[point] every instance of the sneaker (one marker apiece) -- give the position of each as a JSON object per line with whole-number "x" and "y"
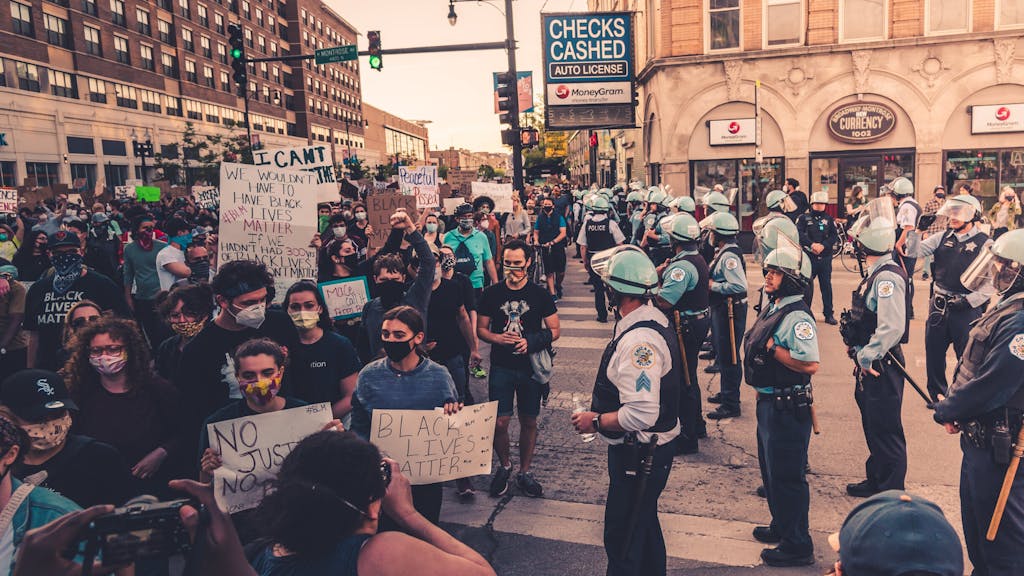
{"x": 464, "y": 488}
{"x": 712, "y": 369}
{"x": 529, "y": 485}
{"x": 766, "y": 535}
{"x": 707, "y": 355}
{"x": 499, "y": 484}
{"x": 715, "y": 399}
{"x": 478, "y": 372}
{"x": 777, "y": 557}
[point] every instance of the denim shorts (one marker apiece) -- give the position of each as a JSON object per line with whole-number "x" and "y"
{"x": 508, "y": 384}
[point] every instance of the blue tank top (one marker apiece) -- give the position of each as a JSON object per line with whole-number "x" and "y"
{"x": 342, "y": 560}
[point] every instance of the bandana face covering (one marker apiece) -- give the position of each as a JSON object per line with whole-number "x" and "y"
{"x": 447, "y": 262}
{"x": 67, "y": 268}
{"x": 261, "y": 391}
{"x": 187, "y": 330}
{"x": 46, "y": 435}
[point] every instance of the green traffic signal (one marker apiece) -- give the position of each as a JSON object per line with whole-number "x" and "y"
{"x": 236, "y": 53}
{"x": 375, "y": 62}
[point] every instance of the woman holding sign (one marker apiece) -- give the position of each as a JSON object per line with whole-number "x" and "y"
{"x": 405, "y": 380}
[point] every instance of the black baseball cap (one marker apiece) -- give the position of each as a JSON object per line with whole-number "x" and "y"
{"x": 63, "y": 238}
{"x": 36, "y": 395}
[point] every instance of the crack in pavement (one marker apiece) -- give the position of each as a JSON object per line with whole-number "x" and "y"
{"x": 488, "y": 526}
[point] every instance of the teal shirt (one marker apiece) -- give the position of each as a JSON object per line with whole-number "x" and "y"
{"x": 728, "y": 276}
{"x": 678, "y": 278}
{"x": 140, "y": 269}
{"x": 887, "y": 298}
{"x": 478, "y": 246}
{"x": 796, "y": 332}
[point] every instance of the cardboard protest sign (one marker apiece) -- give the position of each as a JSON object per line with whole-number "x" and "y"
{"x": 450, "y": 204}
{"x": 432, "y": 447}
{"x": 380, "y": 207}
{"x": 206, "y": 196}
{"x": 252, "y": 449}
{"x": 32, "y": 195}
{"x": 316, "y": 159}
{"x": 8, "y": 200}
{"x": 420, "y": 182}
{"x": 345, "y": 297}
{"x": 461, "y": 179}
{"x": 500, "y": 193}
{"x": 148, "y": 193}
{"x": 122, "y": 192}
{"x": 265, "y": 217}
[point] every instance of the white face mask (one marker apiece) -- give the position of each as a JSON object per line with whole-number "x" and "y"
{"x": 360, "y": 216}
{"x": 253, "y": 316}
{"x": 339, "y": 231}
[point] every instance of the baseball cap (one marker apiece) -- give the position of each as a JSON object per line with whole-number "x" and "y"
{"x": 63, "y": 238}
{"x": 36, "y": 395}
{"x": 893, "y": 533}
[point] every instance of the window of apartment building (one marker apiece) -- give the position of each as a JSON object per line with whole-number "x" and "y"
{"x": 151, "y": 101}
{"x": 28, "y": 76}
{"x": 21, "y": 19}
{"x": 862, "y": 20}
{"x": 211, "y": 113}
{"x": 117, "y": 12}
{"x": 208, "y": 77}
{"x": 184, "y": 10}
{"x": 1009, "y": 13}
{"x": 276, "y": 73}
{"x": 188, "y": 42}
{"x": 89, "y": 7}
{"x": 193, "y": 110}
{"x": 165, "y": 31}
{"x": 204, "y": 46}
{"x": 146, "y": 54}
{"x": 126, "y": 96}
{"x": 261, "y": 42}
{"x": 142, "y": 22}
{"x": 225, "y": 84}
{"x": 305, "y": 38}
{"x": 190, "y": 71}
{"x": 218, "y": 22}
{"x": 169, "y": 65}
{"x": 63, "y": 84}
{"x": 45, "y": 173}
{"x": 304, "y": 16}
{"x": 248, "y": 38}
{"x": 121, "y": 50}
{"x": 97, "y": 91}
{"x": 947, "y": 16}
{"x": 93, "y": 45}
{"x": 273, "y": 48}
{"x": 166, "y": 5}
{"x": 259, "y": 17}
{"x": 204, "y": 15}
{"x": 783, "y": 22}
{"x": 222, "y": 53}
{"x": 723, "y": 24}
{"x": 271, "y": 24}
{"x": 56, "y": 31}
{"x": 172, "y": 104}
{"x": 245, "y": 10}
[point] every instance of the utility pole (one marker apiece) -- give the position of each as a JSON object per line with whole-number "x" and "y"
{"x": 517, "y": 142}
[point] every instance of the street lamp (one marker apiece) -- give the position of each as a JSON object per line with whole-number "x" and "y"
{"x": 453, "y": 18}
{"x": 142, "y": 150}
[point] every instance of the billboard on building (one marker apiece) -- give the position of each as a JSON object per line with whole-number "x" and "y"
{"x": 589, "y": 78}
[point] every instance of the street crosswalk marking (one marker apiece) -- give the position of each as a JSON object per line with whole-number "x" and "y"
{"x": 581, "y": 343}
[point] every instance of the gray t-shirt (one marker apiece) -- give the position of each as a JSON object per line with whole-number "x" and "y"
{"x": 140, "y": 269}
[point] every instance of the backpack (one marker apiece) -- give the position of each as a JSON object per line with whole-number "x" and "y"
{"x": 464, "y": 260}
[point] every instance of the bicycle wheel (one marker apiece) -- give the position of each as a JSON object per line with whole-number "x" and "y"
{"x": 849, "y": 260}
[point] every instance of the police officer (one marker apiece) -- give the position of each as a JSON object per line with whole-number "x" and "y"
{"x": 598, "y": 233}
{"x": 908, "y": 213}
{"x": 780, "y": 354}
{"x": 778, "y": 203}
{"x": 656, "y": 240}
{"x": 728, "y": 301}
{"x": 953, "y": 308}
{"x": 685, "y": 204}
{"x": 986, "y": 403}
{"x": 684, "y": 298}
{"x": 636, "y": 396}
{"x": 767, "y": 238}
{"x": 873, "y": 331}
{"x": 818, "y": 236}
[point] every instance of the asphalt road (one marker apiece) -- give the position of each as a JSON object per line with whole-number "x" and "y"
{"x": 709, "y": 506}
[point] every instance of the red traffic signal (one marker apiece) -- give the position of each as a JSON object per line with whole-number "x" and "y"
{"x": 593, "y": 139}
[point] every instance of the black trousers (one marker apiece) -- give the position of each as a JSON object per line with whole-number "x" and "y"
{"x": 980, "y": 481}
{"x": 600, "y": 304}
{"x": 731, "y": 375}
{"x": 821, "y": 268}
{"x": 782, "y": 441}
{"x": 880, "y": 400}
{"x": 646, "y": 555}
{"x": 691, "y": 415}
{"x": 941, "y": 330}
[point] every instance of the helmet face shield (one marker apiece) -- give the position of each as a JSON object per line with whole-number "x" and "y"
{"x": 957, "y": 211}
{"x": 599, "y": 262}
{"x": 990, "y": 273}
{"x": 879, "y": 213}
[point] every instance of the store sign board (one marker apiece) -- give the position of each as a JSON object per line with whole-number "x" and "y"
{"x": 861, "y": 122}
{"x": 997, "y": 118}
{"x": 731, "y": 132}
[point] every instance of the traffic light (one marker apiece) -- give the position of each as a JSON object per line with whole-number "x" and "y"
{"x": 238, "y": 57}
{"x": 507, "y": 92}
{"x": 593, "y": 139}
{"x": 373, "y": 36}
{"x": 529, "y": 137}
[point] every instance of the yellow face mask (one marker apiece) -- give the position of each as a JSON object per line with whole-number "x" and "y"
{"x": 261, "y": 391}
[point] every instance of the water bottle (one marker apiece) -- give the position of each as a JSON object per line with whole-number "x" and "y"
{"x": 577, "y": 407}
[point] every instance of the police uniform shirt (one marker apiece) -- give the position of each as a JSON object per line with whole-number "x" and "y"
{"x": 907, "y": 213}
{"x": 886, "y": 298}
{"x": 796, "y": 332}
{"x": 679, "y": 277}
{"x": 637, "y": 220}
{"x": 613, "y": 228}
{"x": 639, "y": 362}
{"x": 663, "y": 238}
{"x": 917, "y": 248}
{"x": 728, "y": 276}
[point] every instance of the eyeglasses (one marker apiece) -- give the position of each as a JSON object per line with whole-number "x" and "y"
{"x": 81, "y": 321}
{"x": 112, "y": 350}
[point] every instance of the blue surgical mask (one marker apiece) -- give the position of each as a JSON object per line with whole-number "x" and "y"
{"x": 431, "y": 227}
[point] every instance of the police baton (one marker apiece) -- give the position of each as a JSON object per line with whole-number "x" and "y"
{"x": 682, "y": 347}
{"x": 1004, "y": 492}
{"x": 903, "y": 370}
{"x": 646, "y": 464}
{"x": 732, "y": 330}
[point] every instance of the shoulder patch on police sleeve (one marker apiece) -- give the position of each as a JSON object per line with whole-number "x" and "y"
{"x": 677, "y": 274}
{"x": 731, "y": 263}
{"x": 886, "y": 288}
{"x": 643, "y": 382}
{"x": 803, "y": 330}
{"x": 1017, "y": 346}
{"x": 642, "y": 356}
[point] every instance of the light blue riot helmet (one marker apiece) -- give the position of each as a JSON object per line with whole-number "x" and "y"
{"x": 775, "y": 200}
{"x": 716, "y": 201}
{"x": 789, "y": 260}
{"x": 599, "y": 204}
{"x": 626, "y": 270}
{"x": 724, "y": 225}
{"x": 684, "y": 228}
{"x": 875, "y": 230}
{"x": 686, "y": 204}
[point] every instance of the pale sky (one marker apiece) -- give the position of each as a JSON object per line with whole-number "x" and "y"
{"x": 453, "y": 90}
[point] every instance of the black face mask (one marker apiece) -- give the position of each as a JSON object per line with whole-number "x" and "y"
{"x": 397, "y": 350}
{"x": 548, "y": 210}
{"x": 200, "y": 270}
{"x": 390, "y": 293}
{"x": 351, "y": 261}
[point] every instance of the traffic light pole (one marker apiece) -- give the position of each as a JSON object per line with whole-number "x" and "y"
{"x": 517, "y": 142}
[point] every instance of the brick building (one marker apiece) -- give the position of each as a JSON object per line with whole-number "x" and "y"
{"x": 852, "y": 93}
{"x": 389, "y": 137}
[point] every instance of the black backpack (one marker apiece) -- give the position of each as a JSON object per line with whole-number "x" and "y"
{"x": 464, "y": 260}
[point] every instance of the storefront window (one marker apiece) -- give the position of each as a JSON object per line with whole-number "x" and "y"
{"x": 1011, "y": 169}
{"x": 845, "y": 176}
{"x": 751, "y": 179}
{"x": 979, "y": 168}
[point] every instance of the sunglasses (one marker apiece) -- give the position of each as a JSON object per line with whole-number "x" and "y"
{"x": 385, "y": 476}
{"x": 82, "y": 321}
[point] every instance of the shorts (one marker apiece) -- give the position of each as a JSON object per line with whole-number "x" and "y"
{"x": 508, "y": 384}
{"x": 554, "y": 260}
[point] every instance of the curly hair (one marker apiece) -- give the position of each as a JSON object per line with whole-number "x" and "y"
{"x": 79, "y": 373}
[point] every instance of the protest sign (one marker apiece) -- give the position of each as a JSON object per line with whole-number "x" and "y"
{"x": 450, "y": 204}
{"x": 500, "y": 193}
{"x": 206, "y": 196}
{"x": 265, "y": 218}
{"x": 380, "y": 207}
{"x": 432, "y": 447}
{"x": 420, "y": 182}
{"x": 8, "y": 200}
{"x": 345, "y": 298}
{"x": 316, "y": 159}
{"x": 34, "y": 195}
{"x": 252, "y": 448}
{"x": 461, "y": 179}
{"x": 122, "y": 192}
{"x": 148, "y": 193}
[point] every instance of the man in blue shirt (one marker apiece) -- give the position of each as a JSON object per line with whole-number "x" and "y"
{"x": 472, "y": 250}
{"x": 549, "y": 234}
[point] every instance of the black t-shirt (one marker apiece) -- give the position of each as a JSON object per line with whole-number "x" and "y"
{"x": 468, "y": 293}
{"x": 320, "y": 367}
{"x": 45, "y": 310}
{"x": 442, "y": 321}
{"x": 517, "y": 311}
{"x": 87, "y": 472}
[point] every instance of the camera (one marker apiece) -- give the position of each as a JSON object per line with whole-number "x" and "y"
{"x": 142, "y": 528}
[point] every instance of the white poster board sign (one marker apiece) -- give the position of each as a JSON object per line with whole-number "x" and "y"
{"x": 500, "y": 193}
{"x": 8, "y": 200}
{"x": 346, "y": 297}
{"x": 420, "y": 182}
{"x": 265, "y": 217}
{"x": 450, "y": 204}
{"x": 252, "y": 449}
{"x": 316, "y": 159}
{"x": 123, "y": 192}
{"x": 432, "y": 447}
{"x": 206, "y": 196}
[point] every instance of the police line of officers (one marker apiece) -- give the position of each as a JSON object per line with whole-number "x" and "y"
{"x": 678, "y": 282}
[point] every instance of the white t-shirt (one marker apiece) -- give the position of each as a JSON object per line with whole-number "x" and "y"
{"x": 168, "y": 255}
